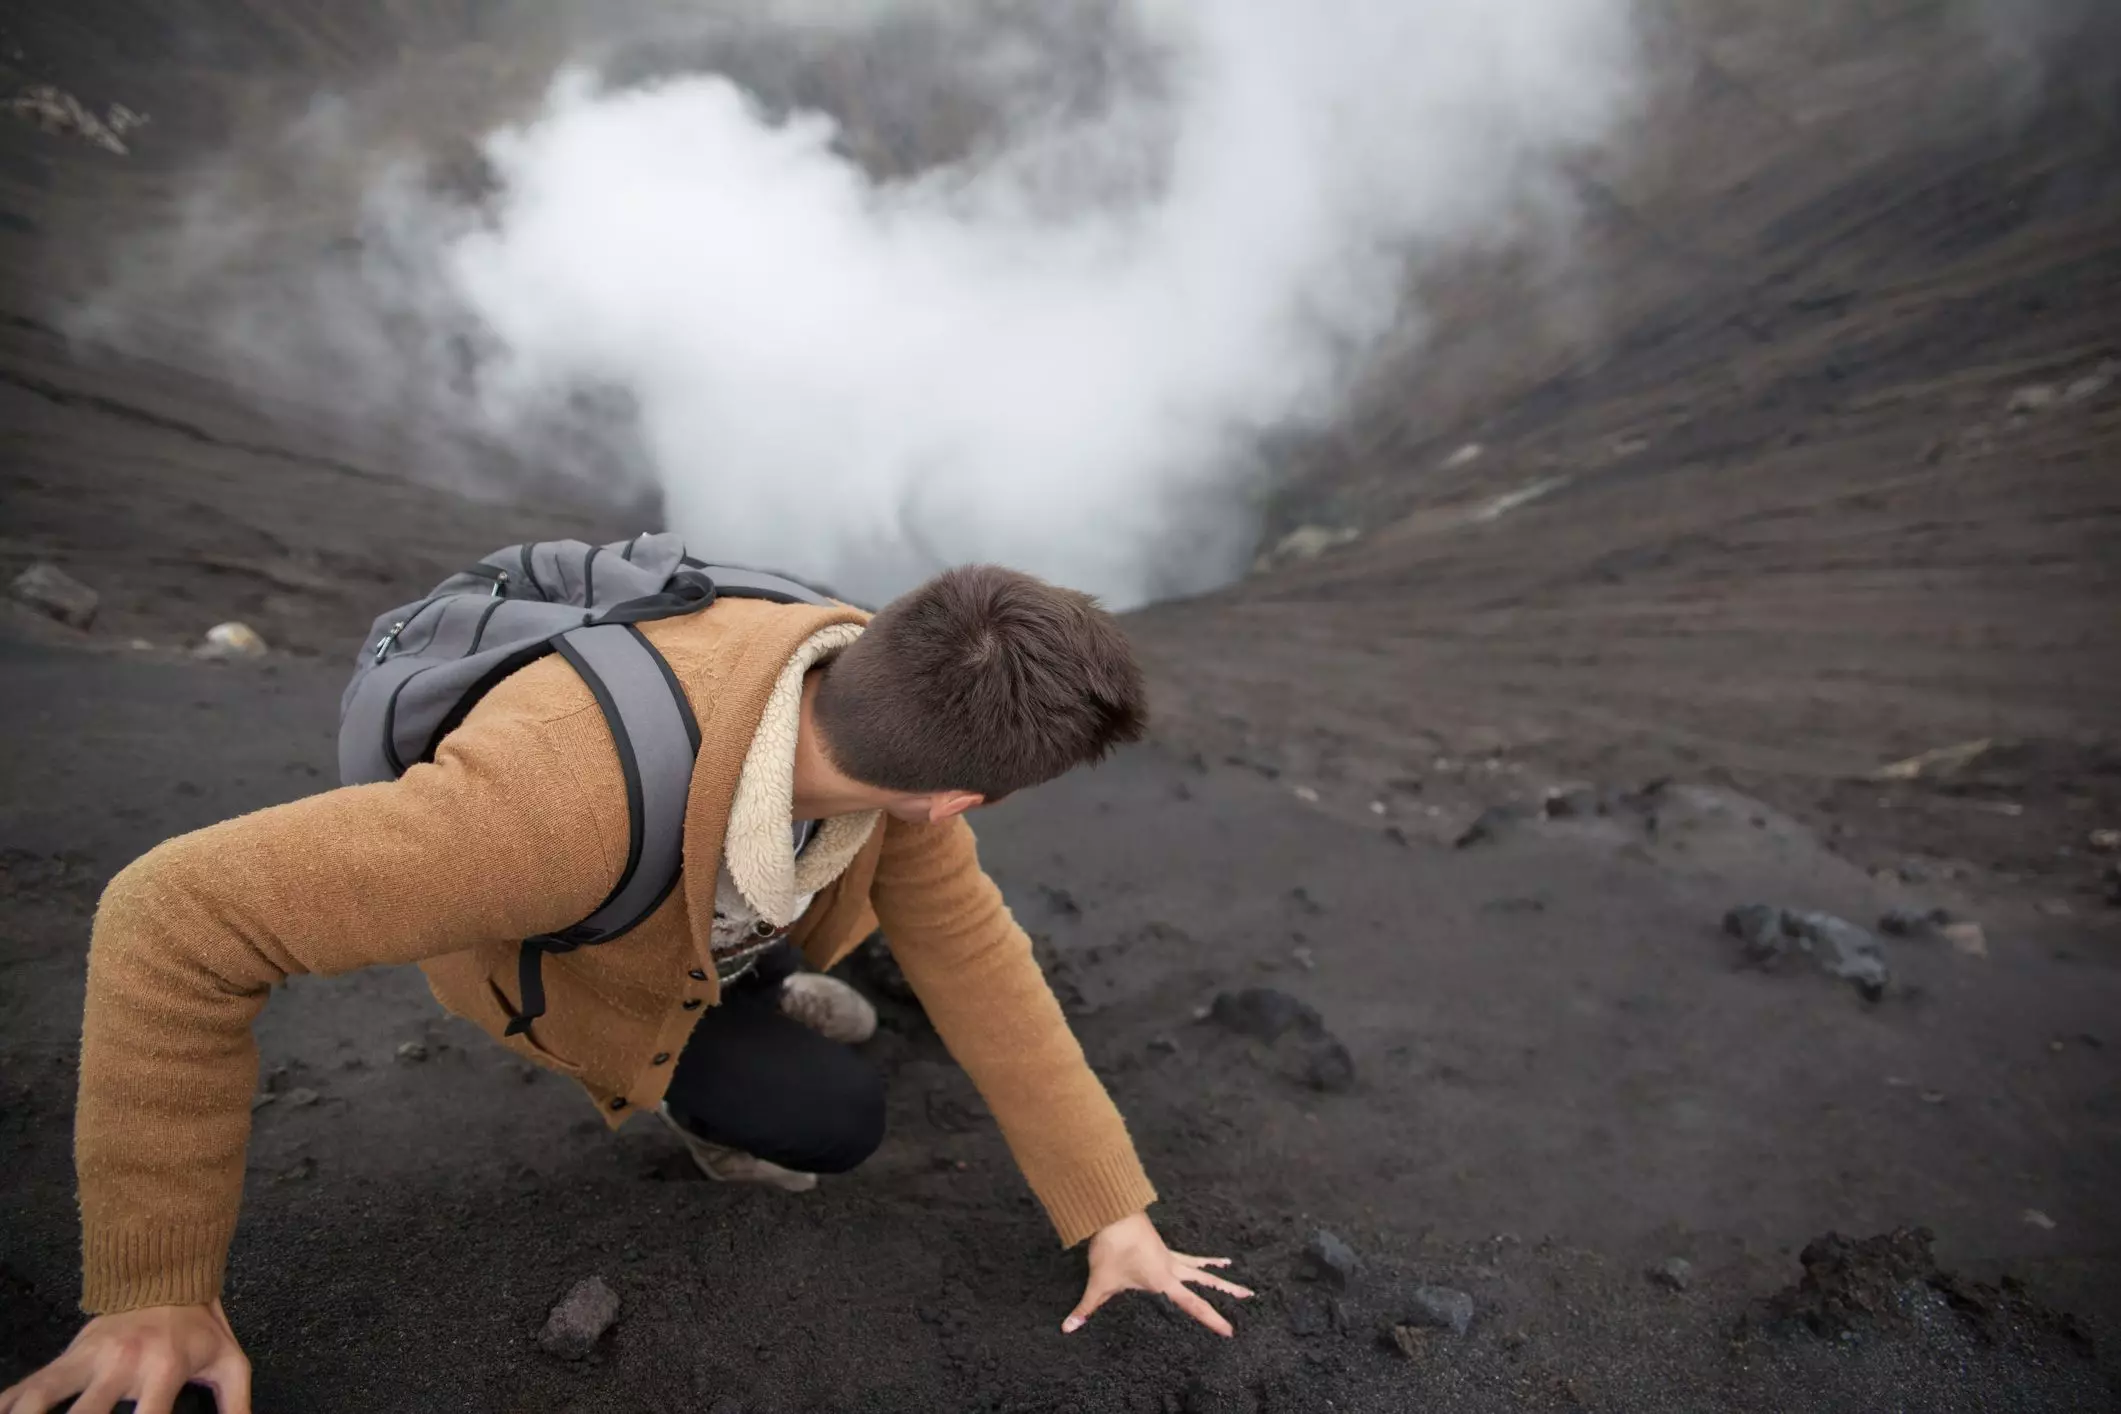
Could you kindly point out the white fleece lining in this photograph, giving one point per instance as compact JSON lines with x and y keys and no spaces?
{"x":759,"y":846}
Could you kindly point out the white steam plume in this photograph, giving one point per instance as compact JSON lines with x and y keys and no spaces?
{"x":1059,"y":351}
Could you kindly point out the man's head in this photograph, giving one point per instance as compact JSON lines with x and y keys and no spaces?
{"x":981,"y":682}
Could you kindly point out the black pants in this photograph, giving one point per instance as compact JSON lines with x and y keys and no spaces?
{"x":754,"y":1080}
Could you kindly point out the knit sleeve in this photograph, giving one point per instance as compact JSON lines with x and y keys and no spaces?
{"x":491,"y":840}
{"x":972,"y":967}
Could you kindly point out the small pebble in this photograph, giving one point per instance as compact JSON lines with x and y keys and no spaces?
{"x":2035,"y":1218}
{"x":411,"y":1052}
{"x":302,"y":1095}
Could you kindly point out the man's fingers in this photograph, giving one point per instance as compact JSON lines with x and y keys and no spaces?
{"x":1202,"y":1261}
{"x":158,"y":1391}
{"x":102,"y":1393}
{"x":1195,"y":1305}
{"x":1092,"y":1299}
{"x":1209,"y":1279}
{"x":229,"y":1378}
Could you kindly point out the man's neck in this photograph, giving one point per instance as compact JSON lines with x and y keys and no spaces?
{"x":821,"y":791}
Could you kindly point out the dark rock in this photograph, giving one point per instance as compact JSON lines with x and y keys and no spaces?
{"x":1263,"y":1013}
{"x":1843,"y":949}
{"x":1673,"y":1273}
{"x":1491,"y":825}
{"x":1839,"y":947}
{"x":1573,"y":803}
{"x":1301,"y":897}
{"x":1759,"y":927}
{"x":1329,"y":1260}
{"x":1397,"y":836}
{"x":1439,"y":1308}
{"x":1912,"y":922}
{"x":579,"y":1321}
{"x":1327,"y":1066}
{"x":1163,"y":1045}
{"x":1060,"y":901}
{"x":56,"y":594}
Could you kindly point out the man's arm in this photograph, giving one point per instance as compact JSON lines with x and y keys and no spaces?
{"x":494,"y":839}
{"x":972,"y":966}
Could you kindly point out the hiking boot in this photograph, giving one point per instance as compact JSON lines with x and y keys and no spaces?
{"x":829,"y":1007}
{"x":726,"y":1165}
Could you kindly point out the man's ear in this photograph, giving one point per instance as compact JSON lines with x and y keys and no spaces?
{"x":951,"y":803}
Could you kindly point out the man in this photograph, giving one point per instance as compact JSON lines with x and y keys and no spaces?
{"x":838,"y":755}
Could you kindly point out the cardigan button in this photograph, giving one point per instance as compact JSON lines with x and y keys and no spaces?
{"x":697,"y":975}
{"x":661,"y":1058}
{"x":618,"y":1102}
{"x":692,"y":1003}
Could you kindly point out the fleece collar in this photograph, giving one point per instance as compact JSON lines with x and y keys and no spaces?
{"x":758,"y":845}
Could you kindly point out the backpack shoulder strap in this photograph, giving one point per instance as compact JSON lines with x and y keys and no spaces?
{"x":657,"y":738}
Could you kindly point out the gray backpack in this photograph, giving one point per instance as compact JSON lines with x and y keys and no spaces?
{"x":427,"y":664}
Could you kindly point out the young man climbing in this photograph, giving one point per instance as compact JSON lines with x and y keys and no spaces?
{"x":833,"y":758}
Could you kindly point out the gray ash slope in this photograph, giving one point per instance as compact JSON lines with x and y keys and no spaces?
{"x":1838,"y":544}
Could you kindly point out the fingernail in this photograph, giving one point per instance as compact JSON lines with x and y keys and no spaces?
{"x":1071,"y":1325}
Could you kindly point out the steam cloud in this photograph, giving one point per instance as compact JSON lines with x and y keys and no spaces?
{"x":1058,"y":350}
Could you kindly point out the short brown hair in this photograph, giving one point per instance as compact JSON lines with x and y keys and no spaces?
{"x":982,"y":679}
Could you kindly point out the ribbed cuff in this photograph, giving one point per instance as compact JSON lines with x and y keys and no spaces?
{"x":1095,"y":1195}
{"x":123,"y":1269}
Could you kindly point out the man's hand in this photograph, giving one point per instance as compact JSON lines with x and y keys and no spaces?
{"x":145,"y":1355}
{"x":1130,"y":1256}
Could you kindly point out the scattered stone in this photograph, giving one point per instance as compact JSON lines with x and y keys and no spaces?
{"x":1843,"y":949}
{"x":1491,"y":825}
{"x":1308,"y":542}
{"x":1759,"y":927}
{"x":1572,"y":803}
{"x":2033,"y":1217}
{"x":412,"y":1052}
{"x":2055,"y":907}
{"x":1329,"y":1260}
{"x":58,"y":112}
{"x":1673,"y":1273}
{"x":1263,"y":1013}
{"x":2105,"y":841}
{"x":1465,"y":456}
{"x":1439,"y":1308}
{"x":1307,"y":794}
{"x":1912,"y":922}
{"x":579,"y":1322}
{"x":232,"y":640}
{"x":2091,"y":385}
{"x":1163,"y":1045}
{"x":1397,"y":836}
{"x":260,"y":1100}
{"x":1854,"y":1286}
{"x":1060,"y":901}
{"x":1378,"y":807}
{"x":1304,"y":958}
{"x":1966,"y":937}
{"x":1933,"y":1097}
{"x":1328,"y":1067}
{"x":302,"y":1097}
{"x":301,"y":1171}
{"x":1410,"y":1341}
{"x":1940,"y":762}
{"x":2032,"y":398}
{"x":1839,"y":947}
{"x":56,"y":594}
